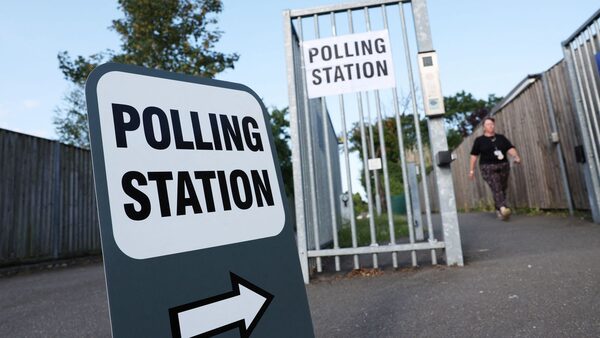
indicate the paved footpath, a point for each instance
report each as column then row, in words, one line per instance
column 535, row 276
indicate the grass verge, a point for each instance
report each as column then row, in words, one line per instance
column 363, row 231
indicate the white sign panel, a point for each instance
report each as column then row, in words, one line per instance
column 374, row 163
column 348, row 63
column 188, row 166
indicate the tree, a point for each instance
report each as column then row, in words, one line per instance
column 172, row 35
column 360, row 206
column 71, row 119
column 464, row 113
column 280, row 128
column 391, row 147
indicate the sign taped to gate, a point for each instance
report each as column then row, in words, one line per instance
column 348, row 63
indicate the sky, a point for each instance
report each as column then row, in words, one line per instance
column 484, row 47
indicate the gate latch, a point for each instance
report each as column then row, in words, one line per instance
column 444, row 158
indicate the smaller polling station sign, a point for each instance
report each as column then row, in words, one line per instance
column 348, row 63
column 196, row 236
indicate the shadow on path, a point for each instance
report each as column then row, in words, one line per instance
column 534, row 276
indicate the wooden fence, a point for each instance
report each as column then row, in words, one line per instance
column 47, row 201
column 525, row 120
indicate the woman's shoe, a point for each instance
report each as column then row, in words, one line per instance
column 505, row 212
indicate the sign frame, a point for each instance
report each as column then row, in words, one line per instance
column 143, row 292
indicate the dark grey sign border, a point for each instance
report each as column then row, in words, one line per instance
column 97, row 149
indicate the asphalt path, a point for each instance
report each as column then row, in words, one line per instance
column 62, row 302
column 535, row 276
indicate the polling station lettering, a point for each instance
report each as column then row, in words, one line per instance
column 339, row 52
column 236, row 188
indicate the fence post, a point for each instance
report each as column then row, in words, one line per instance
column 437, row 137
column 56, row 202
column 296, row 162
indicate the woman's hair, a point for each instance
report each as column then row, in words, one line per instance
column 489, row 118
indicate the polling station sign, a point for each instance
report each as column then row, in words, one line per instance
column 348, row 63
column 195, row 234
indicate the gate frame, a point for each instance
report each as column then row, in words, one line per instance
column 591, row 169
column 451, row 235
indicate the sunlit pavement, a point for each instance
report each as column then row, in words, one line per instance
column 535, row 276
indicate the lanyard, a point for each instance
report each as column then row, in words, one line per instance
column 493, row 140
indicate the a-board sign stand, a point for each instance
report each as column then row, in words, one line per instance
column 196, row 235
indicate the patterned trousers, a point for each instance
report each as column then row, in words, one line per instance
column 496, row 176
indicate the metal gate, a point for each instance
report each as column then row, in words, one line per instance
column 315, row 150
column 582, row 55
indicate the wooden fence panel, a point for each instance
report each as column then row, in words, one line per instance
column 537, row 182
column 47, row 201
column 568, row 130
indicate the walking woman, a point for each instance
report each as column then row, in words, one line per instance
column 492, row 150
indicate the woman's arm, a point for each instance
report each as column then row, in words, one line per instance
column 513, row 152
column 472, row 166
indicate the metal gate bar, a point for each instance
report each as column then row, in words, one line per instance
column 591, row 72
column 332, row 198
column 372, row 155
column 347, row 161
column 386, row 177
column 291, row 51
column 310, row 156
column 376, row 249
column 583, row 77
column 588, row 104
column 407, row 201
column 363, row 140
column 417, row 124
